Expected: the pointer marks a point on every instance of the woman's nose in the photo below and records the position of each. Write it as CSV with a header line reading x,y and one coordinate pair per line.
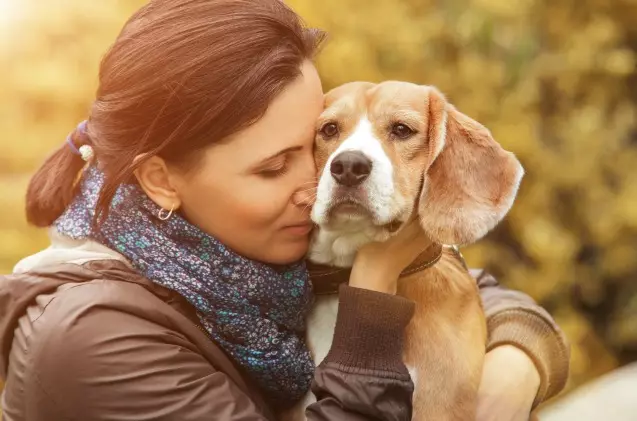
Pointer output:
x,y
306,195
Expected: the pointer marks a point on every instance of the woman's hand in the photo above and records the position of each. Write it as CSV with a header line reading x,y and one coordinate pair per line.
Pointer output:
x,y
508,387
377,266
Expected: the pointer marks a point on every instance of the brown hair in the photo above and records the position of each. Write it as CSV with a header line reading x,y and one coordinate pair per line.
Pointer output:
x,y
183,74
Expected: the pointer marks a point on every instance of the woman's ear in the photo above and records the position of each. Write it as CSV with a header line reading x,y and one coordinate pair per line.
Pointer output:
x,y
154,177
472,182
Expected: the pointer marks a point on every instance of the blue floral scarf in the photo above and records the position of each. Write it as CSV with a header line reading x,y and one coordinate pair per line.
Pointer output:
x,y
254,311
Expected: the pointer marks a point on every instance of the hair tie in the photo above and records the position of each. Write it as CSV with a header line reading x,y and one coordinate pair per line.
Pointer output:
x,y
85,151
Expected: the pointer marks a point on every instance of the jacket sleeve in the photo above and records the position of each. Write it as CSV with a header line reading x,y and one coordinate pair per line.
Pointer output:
x,y
363,376
97,363
513,318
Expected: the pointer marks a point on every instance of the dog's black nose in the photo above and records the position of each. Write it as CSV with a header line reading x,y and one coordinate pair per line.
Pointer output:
x,y
350,168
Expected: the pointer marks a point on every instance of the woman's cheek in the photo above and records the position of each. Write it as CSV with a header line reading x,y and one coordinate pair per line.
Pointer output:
x,y
265,204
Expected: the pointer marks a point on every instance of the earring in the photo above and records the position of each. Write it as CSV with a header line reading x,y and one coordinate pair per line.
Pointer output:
x,y
165,216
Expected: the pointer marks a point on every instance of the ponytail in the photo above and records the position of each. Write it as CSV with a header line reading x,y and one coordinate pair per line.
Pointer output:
x,y
53,186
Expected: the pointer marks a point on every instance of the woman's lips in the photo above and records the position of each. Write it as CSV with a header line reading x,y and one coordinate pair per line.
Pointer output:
x,y
299,229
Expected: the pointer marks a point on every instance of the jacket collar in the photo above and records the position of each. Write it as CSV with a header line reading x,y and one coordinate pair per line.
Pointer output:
x,y
67,250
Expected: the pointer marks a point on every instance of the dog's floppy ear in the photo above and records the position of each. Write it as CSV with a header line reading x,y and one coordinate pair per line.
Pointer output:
x,y
470,182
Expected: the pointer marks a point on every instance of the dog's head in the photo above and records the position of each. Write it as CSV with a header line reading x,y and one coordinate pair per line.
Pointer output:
x,y
387,150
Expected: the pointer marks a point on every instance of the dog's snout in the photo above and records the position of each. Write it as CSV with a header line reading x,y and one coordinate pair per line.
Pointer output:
x,y
350,168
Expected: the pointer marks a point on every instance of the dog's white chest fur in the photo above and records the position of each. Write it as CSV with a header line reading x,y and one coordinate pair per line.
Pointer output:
x,y
320,326
338,248
320,333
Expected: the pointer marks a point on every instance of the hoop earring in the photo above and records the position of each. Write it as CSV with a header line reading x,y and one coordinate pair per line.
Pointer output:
x,y
165,216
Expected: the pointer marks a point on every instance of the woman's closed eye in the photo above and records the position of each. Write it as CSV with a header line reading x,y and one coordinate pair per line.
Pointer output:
x,y
276,170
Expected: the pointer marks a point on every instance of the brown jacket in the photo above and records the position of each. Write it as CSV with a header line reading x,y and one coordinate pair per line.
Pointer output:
x,y
97,341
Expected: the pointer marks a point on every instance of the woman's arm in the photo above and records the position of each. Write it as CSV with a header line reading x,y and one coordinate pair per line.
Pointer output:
x,y
513,318
363,376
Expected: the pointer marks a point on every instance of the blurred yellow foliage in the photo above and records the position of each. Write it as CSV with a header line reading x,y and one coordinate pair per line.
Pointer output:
x,y
555,81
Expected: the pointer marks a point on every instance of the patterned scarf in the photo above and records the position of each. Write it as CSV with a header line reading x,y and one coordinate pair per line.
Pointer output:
x,y
255,312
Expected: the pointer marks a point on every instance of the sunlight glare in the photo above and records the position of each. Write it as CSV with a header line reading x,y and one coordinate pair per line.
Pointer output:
x,y
8,10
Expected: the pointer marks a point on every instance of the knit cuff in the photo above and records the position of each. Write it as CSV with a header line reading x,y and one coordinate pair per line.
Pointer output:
x,y
537,338
369,332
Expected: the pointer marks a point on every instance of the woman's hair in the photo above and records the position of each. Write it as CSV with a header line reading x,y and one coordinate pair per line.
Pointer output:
x,y
182,75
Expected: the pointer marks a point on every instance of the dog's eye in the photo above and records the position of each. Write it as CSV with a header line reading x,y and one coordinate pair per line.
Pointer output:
x,y
329,130
401,131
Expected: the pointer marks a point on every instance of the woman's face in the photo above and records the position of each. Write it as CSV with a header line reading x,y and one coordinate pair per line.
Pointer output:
x,y
254,192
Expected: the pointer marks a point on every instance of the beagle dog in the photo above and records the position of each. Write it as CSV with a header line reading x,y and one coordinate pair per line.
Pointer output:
x,y
387,153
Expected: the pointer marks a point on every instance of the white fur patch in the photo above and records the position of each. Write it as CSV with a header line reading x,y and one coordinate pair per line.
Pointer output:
x,y
413,374
338,248
321,323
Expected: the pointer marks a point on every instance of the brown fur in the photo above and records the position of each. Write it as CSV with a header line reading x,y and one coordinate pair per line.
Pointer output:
x,y
462,183
445,341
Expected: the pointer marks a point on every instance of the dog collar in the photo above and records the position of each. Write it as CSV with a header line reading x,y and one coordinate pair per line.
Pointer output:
x,y
327,279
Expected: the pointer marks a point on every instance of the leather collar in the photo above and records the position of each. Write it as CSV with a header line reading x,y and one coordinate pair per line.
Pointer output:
x,y
327,279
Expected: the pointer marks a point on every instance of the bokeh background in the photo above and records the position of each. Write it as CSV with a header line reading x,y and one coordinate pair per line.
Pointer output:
x,y
555,81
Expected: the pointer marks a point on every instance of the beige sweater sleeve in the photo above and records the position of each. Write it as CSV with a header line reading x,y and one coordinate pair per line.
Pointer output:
x,y
513,318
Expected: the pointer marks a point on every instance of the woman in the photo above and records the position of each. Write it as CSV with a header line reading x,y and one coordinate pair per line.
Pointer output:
x,y
173,287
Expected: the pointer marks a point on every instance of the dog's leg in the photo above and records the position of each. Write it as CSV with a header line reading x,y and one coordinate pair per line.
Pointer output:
x,y
445,344
446,382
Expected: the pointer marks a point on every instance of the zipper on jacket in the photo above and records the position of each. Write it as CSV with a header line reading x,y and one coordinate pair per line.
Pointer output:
x,y
203,330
